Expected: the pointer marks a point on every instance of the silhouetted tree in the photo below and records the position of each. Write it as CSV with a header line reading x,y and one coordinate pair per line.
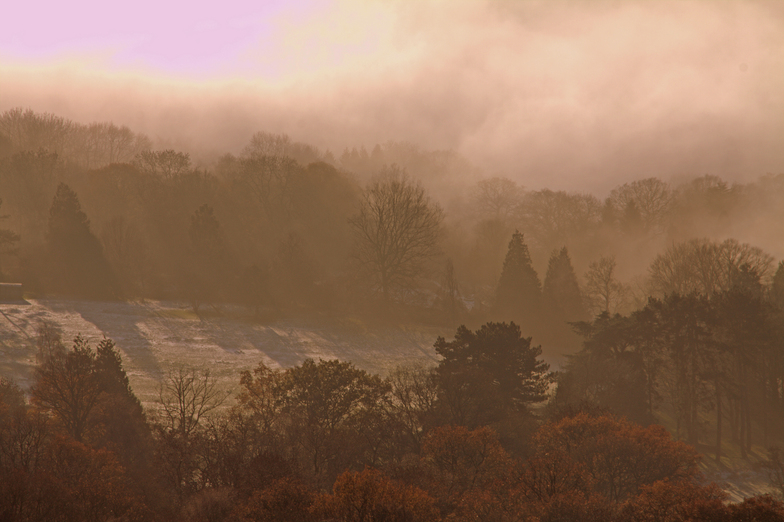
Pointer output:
x,y
78,265
396,232
561,291
519,292
165,163
705,267
554,218
66,385
602,288
497,198
490,374
647,201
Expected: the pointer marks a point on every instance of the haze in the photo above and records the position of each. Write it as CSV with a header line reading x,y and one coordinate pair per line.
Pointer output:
x,y
575,96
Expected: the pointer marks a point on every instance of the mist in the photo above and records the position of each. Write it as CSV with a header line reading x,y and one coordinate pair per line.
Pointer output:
x,y
570,96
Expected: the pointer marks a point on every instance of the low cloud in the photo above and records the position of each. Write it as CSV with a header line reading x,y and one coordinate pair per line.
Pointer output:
x,y
578,96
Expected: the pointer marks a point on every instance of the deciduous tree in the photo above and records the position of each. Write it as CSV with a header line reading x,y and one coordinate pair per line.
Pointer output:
x,y
396,232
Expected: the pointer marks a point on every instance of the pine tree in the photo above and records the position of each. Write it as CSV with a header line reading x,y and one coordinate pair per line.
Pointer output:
x,y
77,261
519,292
561,292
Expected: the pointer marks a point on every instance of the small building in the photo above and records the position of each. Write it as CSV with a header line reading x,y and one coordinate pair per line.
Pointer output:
x,y
11,292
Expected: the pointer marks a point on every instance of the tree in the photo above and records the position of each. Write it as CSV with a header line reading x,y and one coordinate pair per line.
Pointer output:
x,y
77,261
610,368
605,293
127,252
556,218
650,198
561,290
449,293
66,384
164,163
185,398
620,457
396,232
333,410
519,291
456,462
371,496
8,241
497,198
413,405
209,260
489,374
706,267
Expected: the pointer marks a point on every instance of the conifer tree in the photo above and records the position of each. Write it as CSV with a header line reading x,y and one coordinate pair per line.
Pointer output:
x,y
519,290
561,292
77,261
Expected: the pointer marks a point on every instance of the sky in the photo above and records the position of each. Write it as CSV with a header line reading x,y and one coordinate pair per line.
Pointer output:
x,y
574,95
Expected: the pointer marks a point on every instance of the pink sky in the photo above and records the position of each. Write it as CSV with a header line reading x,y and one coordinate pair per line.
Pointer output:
x,y
191,39
564,93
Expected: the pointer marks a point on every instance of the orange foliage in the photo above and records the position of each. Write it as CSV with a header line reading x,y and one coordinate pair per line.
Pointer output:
x,y
456,461
668,501
762,508
286,500
370,496
619,456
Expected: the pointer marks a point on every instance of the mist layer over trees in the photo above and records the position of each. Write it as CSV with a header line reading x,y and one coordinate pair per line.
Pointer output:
x,y
660,303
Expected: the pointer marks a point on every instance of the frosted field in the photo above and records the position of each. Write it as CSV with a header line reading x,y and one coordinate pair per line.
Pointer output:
x,y
156,337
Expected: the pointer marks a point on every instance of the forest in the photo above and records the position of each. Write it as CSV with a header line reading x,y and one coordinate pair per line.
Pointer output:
x,y
663,302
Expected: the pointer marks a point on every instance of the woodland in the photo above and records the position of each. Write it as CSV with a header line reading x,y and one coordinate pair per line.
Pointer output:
x,y
663,299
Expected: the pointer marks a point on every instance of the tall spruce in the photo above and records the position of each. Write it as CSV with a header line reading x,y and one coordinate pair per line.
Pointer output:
x,y
561,292
519,292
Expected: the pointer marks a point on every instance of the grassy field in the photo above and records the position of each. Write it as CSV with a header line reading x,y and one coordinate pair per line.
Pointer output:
x,y
156,337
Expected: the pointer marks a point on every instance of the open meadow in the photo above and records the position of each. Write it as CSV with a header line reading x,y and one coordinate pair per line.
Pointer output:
x,y
155,337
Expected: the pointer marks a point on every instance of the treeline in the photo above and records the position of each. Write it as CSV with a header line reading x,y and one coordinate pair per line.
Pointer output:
x,y
712,362
286,228
325,441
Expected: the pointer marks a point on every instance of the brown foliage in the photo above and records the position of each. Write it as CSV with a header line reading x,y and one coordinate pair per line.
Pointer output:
x,y
370,496
619,456
676,501
456,462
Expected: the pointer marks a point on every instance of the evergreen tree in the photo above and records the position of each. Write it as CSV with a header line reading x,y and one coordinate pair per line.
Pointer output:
x,y
561,292
519,291
78,265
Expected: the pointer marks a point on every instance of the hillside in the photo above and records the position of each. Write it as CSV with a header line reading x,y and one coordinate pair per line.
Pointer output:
x,y
155,337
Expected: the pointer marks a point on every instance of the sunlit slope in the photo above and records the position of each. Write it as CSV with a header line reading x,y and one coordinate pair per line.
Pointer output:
x,y
155,337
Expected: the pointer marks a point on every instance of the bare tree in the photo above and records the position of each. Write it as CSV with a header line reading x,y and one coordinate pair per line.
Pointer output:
x,y
65,381
186,397
165,163
553,219
652,198
396,232
706,267
605,293
497,198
